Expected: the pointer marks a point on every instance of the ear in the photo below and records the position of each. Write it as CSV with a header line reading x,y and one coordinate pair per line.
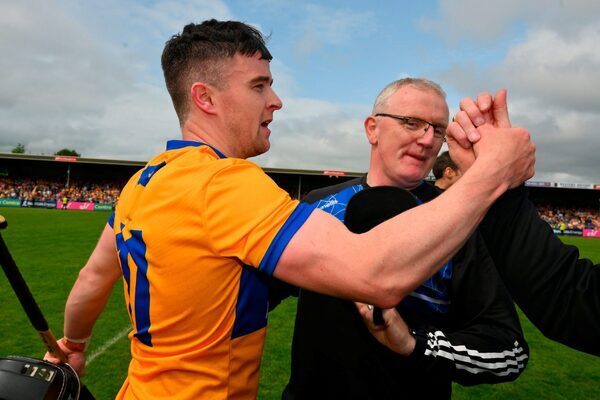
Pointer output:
x,y
448,172
203,97
371,129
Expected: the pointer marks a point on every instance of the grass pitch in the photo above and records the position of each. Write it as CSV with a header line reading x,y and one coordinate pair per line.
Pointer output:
x,y
50,246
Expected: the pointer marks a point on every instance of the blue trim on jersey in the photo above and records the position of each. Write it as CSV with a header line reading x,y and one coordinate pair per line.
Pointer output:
x,y
252,303
180,144
335,204
283,237
123,252
433,295
111,220
149,172
137,249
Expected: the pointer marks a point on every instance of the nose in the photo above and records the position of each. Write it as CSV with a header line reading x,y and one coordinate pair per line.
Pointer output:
x,y
275,102
427,138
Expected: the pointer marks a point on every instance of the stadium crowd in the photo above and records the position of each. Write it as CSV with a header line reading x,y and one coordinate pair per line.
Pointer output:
x,y
108,192
48,190
569,218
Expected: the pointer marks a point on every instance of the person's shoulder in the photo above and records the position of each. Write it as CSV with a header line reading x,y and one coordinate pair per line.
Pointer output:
x,y
426,191
318,194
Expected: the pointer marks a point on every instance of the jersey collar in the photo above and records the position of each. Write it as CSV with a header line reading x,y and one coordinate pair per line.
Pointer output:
x,y
179,144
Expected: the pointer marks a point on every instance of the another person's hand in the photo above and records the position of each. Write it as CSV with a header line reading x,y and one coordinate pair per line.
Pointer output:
x,y
476,116
474,113
506,154
394,333
75,356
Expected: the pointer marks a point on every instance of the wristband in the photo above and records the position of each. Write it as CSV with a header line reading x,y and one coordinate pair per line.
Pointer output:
x,y
79,345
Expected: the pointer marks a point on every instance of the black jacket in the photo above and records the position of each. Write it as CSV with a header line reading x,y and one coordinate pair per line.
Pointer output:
x,y
558,291
479,340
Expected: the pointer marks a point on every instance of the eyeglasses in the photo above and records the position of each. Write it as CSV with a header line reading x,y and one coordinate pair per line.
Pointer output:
x,y
413,124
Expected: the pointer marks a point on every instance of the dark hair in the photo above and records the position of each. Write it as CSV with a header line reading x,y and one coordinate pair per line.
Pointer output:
x,y
441,163
198,52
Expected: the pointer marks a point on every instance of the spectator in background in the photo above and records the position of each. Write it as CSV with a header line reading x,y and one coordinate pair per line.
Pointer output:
x,y
569,218
445,171
49,190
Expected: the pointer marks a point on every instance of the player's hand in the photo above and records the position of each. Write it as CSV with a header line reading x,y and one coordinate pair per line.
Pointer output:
x,y
394,333
505,154
463,131
75,359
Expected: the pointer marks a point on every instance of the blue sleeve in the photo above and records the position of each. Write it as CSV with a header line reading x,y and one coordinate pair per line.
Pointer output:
x,y
283,237
111,220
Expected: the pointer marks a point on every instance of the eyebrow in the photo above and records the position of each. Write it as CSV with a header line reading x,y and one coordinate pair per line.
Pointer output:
x,y
259,79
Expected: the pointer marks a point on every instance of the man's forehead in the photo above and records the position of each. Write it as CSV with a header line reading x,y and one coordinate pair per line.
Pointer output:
x,y
412,99
410,93
241,64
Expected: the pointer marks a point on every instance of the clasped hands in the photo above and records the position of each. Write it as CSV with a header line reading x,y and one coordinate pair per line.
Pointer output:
x,y
481,127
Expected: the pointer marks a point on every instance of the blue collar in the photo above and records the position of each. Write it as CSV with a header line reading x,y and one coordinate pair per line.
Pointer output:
x,y
179,144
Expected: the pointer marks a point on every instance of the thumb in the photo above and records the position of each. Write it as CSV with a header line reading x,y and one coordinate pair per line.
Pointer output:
x,y
500,109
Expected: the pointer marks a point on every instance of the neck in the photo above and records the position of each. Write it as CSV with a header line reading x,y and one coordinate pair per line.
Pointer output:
x,y
375,179
442,184
209,133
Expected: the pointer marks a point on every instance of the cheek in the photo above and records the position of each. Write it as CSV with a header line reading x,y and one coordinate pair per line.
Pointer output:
x,y
394,143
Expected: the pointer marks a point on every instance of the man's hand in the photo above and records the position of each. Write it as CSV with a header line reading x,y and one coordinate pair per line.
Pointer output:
x,y
394,333
467,126
474,113
75,357
506,153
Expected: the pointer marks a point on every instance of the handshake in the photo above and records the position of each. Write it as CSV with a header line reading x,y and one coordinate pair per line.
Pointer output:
x,y
481,133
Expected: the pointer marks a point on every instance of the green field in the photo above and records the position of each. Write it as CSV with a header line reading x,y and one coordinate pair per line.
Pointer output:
x,y
50,246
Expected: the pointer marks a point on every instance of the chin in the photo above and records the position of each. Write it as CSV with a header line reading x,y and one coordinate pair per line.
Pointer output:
x,y
261,149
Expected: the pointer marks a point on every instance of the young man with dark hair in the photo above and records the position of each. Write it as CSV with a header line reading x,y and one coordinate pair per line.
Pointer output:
x,y
198,229
445,171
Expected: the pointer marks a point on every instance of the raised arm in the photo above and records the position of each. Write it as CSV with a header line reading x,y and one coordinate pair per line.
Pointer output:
x,y
325,257
558,291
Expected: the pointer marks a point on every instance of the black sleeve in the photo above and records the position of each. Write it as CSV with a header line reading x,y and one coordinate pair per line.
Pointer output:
x,y
558,291
483,342
279,291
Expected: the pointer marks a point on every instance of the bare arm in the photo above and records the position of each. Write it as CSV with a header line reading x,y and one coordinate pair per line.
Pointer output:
x,y
385,264
88,297
93,287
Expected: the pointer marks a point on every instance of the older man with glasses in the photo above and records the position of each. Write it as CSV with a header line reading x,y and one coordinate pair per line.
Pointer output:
x,y
460,325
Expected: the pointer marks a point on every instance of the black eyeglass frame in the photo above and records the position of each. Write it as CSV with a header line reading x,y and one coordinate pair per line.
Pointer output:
x,y
406,119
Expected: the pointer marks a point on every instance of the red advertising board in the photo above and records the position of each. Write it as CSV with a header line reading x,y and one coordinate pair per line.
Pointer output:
x,y
65,158
77,205
595,233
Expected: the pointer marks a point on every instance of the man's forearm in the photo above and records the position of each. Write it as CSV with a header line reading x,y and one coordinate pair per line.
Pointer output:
x,y
92,287
557,290
84,305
